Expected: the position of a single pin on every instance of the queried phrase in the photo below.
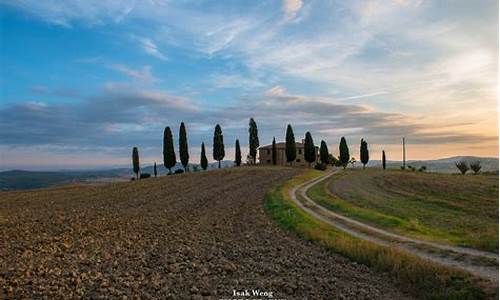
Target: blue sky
(82, 82)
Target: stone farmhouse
(266, 157)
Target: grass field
(421, 278)
(453, 209)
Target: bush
(320, 166)
(422, 169)
(462, 166)
(475, 166)
(179, 171)
(145, 175)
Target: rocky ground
(191, 236)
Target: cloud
(150, 47)
(143, 74)
(65, 13)
(291, 8)
(275, 91)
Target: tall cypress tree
(344, 152)
(135, 162)
(323, 153)
(383, 159)
(203, 158)
(218, 151)
(168, 150)
(309, 149)
(290, 147)
(363, 153)
(274, 153)
(183, 146)
(155, 171)
(253, 139)
(237, 153)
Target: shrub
(320, 166)
(462, 166)
(422, 169)
(179, 171)
(145, 175)
(475, 166)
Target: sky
(82, 82)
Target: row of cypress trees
(169, 156)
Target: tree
(334, 161)
(237, 153)
(309, 149)
(475, 166)
(290, 147)
(344, 152)
(462, 166)
(363, 153)
(383, 159)
(155, 171)
(183, 146)
(168, 150)
(135, 162)
(203, 158)
(218, 150)
(253, 139)
(324, 156)
(274, 153)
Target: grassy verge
(421, 278)
(456, 210)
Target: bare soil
(189, 236)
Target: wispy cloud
(143, 74)
(291, 8)
(150, 47)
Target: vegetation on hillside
(439, 207)
(422, 278)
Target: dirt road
(386, 238)
(190, 236)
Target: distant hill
(443, 165)
(22, 180)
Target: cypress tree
(363, 153)
(218, 146)
(183, 146)
(203, 159)
(237, 153)
(155, 170)
(290, 147)
(135, 161)
(309, 149)
(274, 153)
(253, 139)
(168, 150)
(383, 159)
(344, 152)
(323, 153)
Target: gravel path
(386, 238)
(190, 236)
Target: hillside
(443, 165)
(174, 237)
(23, 180)
(453, 209)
